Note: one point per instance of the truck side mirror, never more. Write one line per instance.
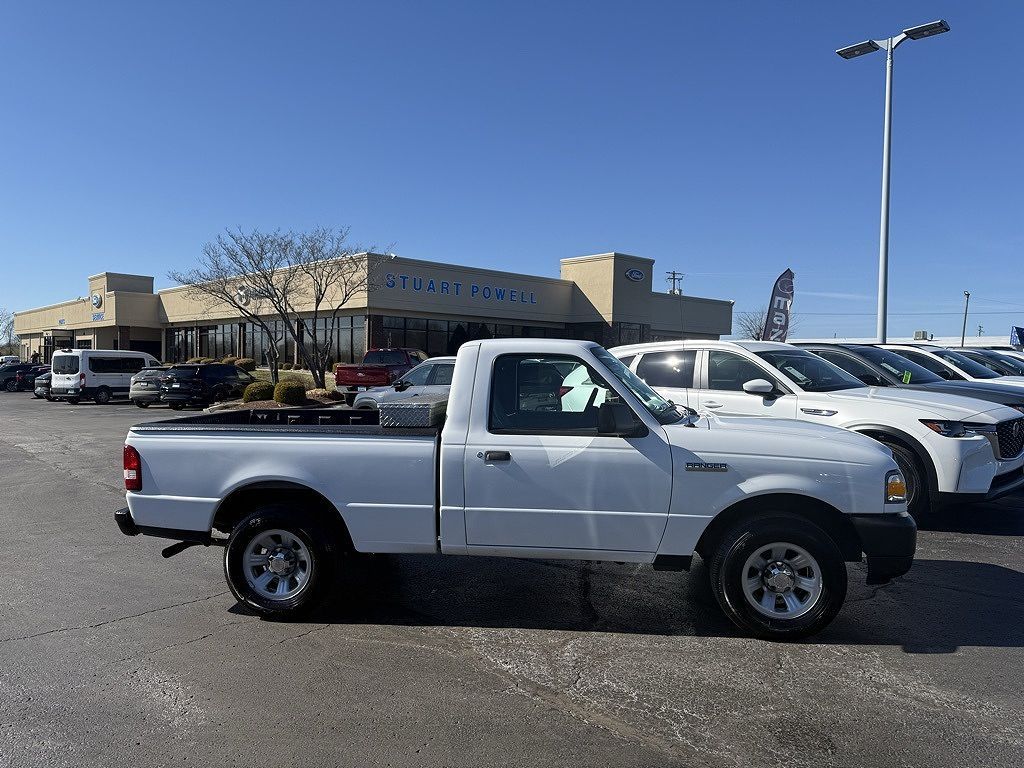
(400, 386)
(761, 387)
(617, 419)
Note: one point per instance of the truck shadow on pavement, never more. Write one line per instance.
(940, 606)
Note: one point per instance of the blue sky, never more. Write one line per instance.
(725, 140)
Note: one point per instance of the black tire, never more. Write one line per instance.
(102, 396)
(49, 399)
(727, 574)
(37, 397)
(918, 496)
(74, 400)
(141, 403)
(11, 385)
(322, 547)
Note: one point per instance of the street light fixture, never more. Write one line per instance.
(852, 52)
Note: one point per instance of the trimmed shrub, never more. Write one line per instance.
(285, 366)
(230, 360)
(258, 390)
(290, 393)
(246, 363)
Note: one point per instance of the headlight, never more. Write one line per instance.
(895, 488)
(946, 428)
(959, 428)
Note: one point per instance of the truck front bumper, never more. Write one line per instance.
(888, 542)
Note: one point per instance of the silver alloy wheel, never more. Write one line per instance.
(782, 580)
(277, 565)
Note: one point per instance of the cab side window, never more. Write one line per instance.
(552, 394)
(729, 372)
(667, 369)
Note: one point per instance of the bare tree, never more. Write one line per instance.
(284, 275)
(246, 272)
(8, 341)
(749, 325)
(332, 274)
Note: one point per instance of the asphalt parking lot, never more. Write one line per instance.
(112, 655)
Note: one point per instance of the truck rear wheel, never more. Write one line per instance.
(280, 561)
(778, 577)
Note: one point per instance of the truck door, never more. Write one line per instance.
(538, 475)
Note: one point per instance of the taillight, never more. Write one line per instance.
(563, 391)
(81, 380)
(132, 469)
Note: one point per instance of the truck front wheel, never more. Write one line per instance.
(778, 577)
(279, 561)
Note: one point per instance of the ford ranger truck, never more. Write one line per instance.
(604, 469)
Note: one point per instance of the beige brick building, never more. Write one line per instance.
(410, 303)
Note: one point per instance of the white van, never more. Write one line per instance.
(95, 374)
(7, 359)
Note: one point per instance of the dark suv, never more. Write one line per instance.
(9, 374)
(202, 384)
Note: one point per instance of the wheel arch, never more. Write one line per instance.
(883, 433)
(240, 501)
(828, 518)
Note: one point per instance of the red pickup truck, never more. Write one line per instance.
(380, 368)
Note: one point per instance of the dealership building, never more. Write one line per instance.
(426, 305)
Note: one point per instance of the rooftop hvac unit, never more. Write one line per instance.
(921, 336)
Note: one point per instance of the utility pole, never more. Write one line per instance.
(676, 281)
(967, 303)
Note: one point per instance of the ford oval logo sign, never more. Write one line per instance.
(636, 275)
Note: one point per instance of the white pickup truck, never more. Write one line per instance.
(527, 465)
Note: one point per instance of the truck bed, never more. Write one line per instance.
(383, 481)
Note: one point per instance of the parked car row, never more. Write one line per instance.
(953, 424)
(104, 375)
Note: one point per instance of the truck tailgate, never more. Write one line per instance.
(362, 375)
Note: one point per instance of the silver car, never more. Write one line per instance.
(145, 386)
(432, 377)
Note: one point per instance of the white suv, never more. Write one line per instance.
(950, 364)
(948, 447)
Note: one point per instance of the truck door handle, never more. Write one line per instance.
(497, 456)
(712, 404)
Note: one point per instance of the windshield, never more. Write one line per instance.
(660, 408)
(905, 370)
(965, 364)
(65, 364)
(998, 363)
(810, 372)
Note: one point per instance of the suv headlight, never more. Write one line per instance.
(958, 428)
(895, 488)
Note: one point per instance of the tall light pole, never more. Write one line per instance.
(967, 303)
(851, 52)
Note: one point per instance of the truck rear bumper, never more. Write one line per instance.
(125, 521)
(888, 542)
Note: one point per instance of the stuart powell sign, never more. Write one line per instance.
(776, 323)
